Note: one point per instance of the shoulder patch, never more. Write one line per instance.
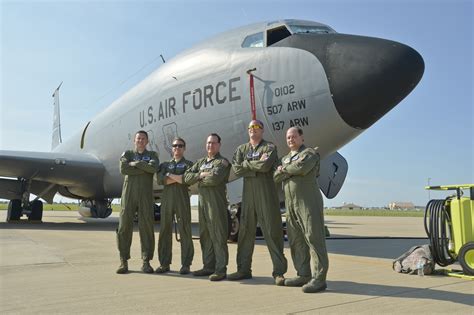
(124, 157)
(311, 150)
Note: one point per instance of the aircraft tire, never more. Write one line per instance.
(36, 211)
(466, 258)
(234, 226)
(157, 212)
(14, 210)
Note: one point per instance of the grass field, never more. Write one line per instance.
(341, 212)
(375, 212)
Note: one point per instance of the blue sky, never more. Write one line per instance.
(102, 48)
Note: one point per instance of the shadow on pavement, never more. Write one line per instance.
(376, 248)
(377, 290)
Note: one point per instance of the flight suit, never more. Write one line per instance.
(175, 201)
(259, 204)
(305, 217)
(137, 196)
(212, 205)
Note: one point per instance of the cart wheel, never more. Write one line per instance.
(466, 258)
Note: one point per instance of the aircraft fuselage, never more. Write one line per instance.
(206, 89)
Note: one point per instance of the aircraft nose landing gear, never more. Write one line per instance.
(101, 208)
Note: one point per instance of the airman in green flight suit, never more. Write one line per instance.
(138, 166)
(305, 218)
(212, 174)
(256, 161)
(175, 202)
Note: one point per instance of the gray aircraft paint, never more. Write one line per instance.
(284, 78)
(276, 67)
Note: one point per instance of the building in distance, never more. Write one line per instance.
(401, 205)
(350, 206)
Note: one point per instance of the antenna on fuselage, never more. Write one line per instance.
(165, 62)
(56, 136)
(252, 94)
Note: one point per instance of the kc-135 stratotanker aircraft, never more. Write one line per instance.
(333, 86)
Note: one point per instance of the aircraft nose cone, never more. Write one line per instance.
(367, 76)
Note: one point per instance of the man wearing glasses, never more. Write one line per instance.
(212, 174)
(175, 202)
(256, 161)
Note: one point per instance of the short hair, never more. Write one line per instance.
(215, 135)
(179, 139)
(300, 131)
(143, 132)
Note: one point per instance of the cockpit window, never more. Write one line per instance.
(275, 35)
(314, 29)
(253, 41)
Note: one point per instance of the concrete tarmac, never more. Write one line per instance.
(67, 265)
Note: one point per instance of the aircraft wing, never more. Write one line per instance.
(49, 172)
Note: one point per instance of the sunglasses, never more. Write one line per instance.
(178, 146)
(255, 127)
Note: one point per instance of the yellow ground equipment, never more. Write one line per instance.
(449, 224)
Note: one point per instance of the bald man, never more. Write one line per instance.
(305, 218)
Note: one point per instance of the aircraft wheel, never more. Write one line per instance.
(108, 212)
(100, 209)
(234, 226)
(36, 211)
(326, 231)
(466, 258)
(157, 212)
(14, 210)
